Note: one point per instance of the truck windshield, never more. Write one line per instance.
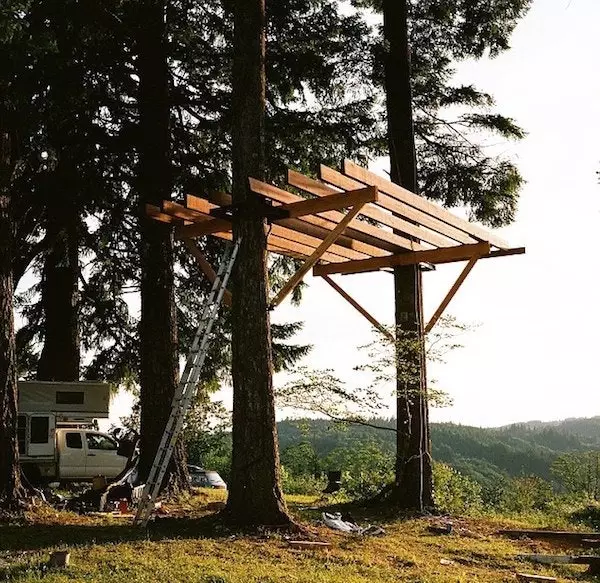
(97, 441)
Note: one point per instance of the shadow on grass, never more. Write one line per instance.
(31, 537)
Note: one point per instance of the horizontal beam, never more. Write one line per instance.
(313, 206)
(155, 212)
(360, 231)
(318, 188)
(295, 209)
(299, 226)
(399, 208)
(435, 256)
(421, 203)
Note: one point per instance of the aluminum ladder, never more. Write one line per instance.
(186, 389)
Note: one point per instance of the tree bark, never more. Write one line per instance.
(255, 496)
(11, 491)
(158, 327)
(413, 484)
(60, 356)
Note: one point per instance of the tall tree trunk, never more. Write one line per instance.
(11, 491)
(413, 484)
(59, 360)
(255, 495)
(158, 327)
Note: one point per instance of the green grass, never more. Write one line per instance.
(191, 547)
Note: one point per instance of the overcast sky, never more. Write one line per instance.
(535, 350)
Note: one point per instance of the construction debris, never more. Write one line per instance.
(533, 578)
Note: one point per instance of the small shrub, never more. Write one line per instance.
(453, 492)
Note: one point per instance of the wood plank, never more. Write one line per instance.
(359, 230)
(318, 188)
(209, 227)
(444, 304)
(307, 225)
(155, 212)
(313, 206)
(301, 250)
(178, 210)
(529, 578)
(314, 242)
(418, 202)
(319, 252)
(358, 307)
(308, 544)
(206, 268)
(435, 256)
(289, 233)
(400, 208)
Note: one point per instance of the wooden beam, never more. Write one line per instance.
(444, 255)
(459, 281)
(208, 227)
(358, 230)
(336, 201)
(178, 210)
(311, 226)
(318, 188)
(155, 212)
(358, 307)
(400, 208)
(418, 202)
(321, 249)
(301, 250)
(206, 268)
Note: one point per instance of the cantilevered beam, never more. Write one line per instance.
(156, 213)
(319, 188)
(295, 209)
(418, 202)
(358, 307)
(206, 268)
(400, 208)
(435, 256)
(307, 225)
(361, 231)
(461, 278)
(321, 249)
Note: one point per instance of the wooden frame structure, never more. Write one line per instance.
(352, 221)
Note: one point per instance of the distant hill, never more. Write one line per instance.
(486, 454)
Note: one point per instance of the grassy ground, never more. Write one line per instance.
(191, 547)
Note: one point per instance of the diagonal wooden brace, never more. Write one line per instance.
(206, 268)
(358, 307)
(463, 275)
(318, 253)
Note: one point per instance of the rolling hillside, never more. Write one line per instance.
(486, 454)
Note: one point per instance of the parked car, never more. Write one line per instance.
(202, 478)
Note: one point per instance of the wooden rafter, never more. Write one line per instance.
(444, 304)
(385, 218)
(358, 307)
(310, 262)
(366, 177)
(435, 256)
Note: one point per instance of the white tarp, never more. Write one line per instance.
(89, 399)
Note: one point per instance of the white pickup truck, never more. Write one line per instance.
(56, 435)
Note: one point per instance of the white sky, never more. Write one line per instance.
(534, 353)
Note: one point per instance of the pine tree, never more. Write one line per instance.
(255, 495)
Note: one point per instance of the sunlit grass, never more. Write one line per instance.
(109, 549)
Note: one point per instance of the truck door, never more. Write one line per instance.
(41, 435)
(72, 458)
(102, 458)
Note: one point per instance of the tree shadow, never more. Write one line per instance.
(32, 537)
